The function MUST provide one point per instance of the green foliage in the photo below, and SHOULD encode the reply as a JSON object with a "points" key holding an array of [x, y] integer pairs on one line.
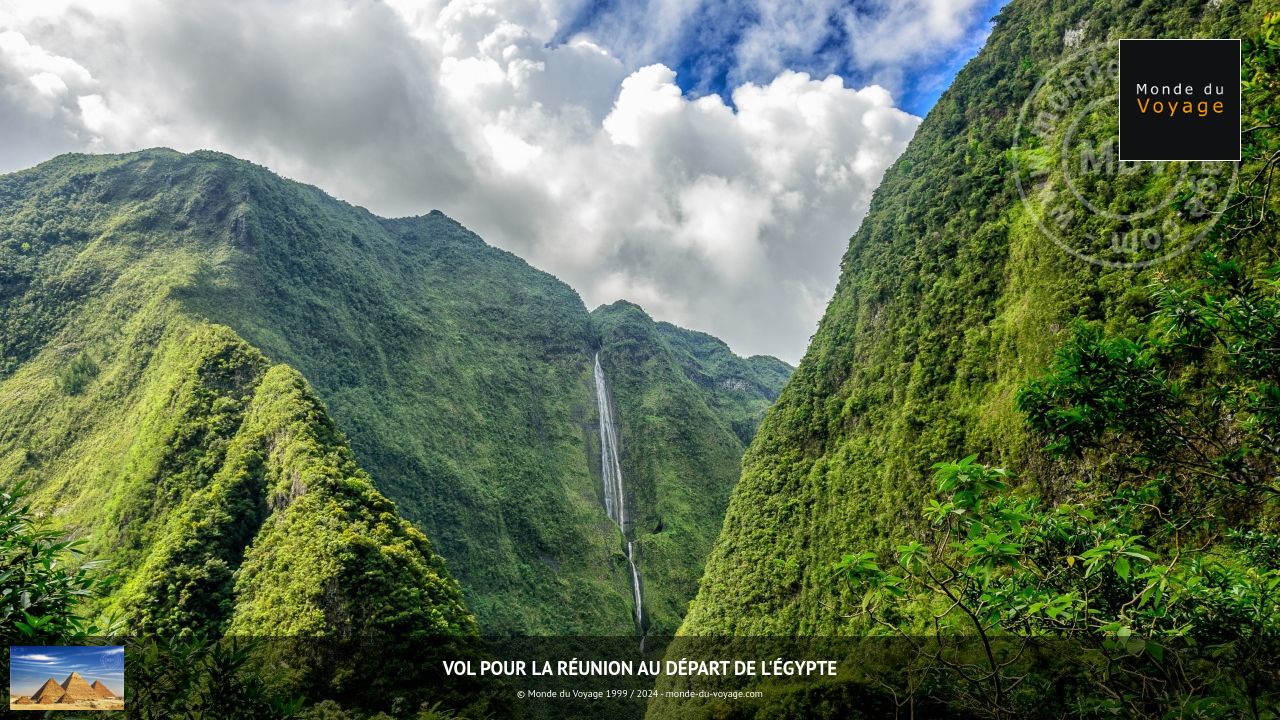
{"points": [[334, 554], [43, 579], [1158, 555], [327, 710], [1213, 438], [1165, 609], [682, 399], [460, 376], [1195, 406], [77, 374], [1260, 145], [287, 536], [196, 678], [949, 298], [738, 389]]}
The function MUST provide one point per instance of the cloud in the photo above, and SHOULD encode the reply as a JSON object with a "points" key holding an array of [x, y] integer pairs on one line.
{"points": [[901, 36], [723, 43], [35, 657], [723, 220], [40, 94], [727, 215]]}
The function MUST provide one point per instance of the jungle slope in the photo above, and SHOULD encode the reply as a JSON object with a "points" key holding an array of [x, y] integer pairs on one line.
{"points": [[949, 299], [219, 481], [460, 374]]}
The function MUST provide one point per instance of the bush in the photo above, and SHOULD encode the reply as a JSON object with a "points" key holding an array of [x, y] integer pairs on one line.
{"points": [[42, 581], [77, 374], [1159, 550]]}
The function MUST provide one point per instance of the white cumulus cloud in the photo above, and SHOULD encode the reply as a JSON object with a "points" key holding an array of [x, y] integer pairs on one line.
{"points": [[728, 218]]}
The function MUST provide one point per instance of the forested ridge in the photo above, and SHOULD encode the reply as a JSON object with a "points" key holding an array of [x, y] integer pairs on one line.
{"points": [[218, 377], [1022, 471], [950, 300]]}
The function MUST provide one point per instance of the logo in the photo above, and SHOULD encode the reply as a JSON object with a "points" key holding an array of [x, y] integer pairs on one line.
{"points": [[1079, 192], [1180, 100]]}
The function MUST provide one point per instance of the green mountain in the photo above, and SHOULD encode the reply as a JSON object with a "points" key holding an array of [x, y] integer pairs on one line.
{"points": [[220, 484], [158, 315], [684, 402], [737, 389], [950, 298]]}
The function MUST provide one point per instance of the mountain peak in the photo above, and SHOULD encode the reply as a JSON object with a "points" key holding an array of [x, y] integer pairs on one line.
{"points": [[452, 375]]}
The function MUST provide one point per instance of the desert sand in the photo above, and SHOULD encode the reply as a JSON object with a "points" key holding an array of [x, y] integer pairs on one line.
{"points": [[103, 704]]}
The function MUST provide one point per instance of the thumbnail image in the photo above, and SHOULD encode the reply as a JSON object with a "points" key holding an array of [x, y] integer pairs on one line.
{"points": [[93, 678]]}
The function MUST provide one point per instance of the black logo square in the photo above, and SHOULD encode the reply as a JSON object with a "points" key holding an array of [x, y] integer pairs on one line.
{"points": [[1180, 100]]}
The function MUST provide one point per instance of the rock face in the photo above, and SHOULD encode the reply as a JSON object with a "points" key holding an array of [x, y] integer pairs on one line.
{"points": [[76, 689], [49, 692], [103, 691]]}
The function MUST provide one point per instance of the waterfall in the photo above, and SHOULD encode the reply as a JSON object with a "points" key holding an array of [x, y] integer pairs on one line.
{"points": [[615, 497]]}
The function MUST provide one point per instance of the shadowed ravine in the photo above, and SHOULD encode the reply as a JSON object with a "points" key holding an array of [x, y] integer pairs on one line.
{"points": [[615, 497]]}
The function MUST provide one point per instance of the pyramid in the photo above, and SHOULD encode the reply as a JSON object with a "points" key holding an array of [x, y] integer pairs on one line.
{"points": [[77, 690], [102, 690], [22, 700], [49, 692]]}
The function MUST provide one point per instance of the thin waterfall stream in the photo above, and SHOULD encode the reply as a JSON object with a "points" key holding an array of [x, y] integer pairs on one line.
{"points": [[615, 496]]}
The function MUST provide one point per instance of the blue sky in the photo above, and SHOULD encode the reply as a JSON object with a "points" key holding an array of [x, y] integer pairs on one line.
{"points": [[706, 159], [31, 666], [706, 48]]}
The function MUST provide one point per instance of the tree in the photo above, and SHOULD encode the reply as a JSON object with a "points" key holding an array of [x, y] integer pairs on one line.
{"points": [[188, 676], [1143, 579], [43, 580], [1147, 621], [1154, 564]]}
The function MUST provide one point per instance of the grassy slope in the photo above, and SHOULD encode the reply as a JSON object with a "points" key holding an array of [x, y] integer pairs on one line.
{"points": [[184, 453], [948, 299], [460, 374]]}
